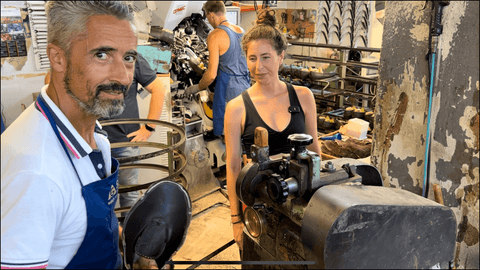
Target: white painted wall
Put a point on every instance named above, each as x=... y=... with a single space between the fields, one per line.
x=18 y=86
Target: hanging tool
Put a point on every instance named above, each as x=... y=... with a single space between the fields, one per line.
x=284 y=17
x=436 y=29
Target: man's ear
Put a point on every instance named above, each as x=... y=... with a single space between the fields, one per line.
x=57 y=57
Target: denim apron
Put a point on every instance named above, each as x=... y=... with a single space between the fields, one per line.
x=232 y=78
x=222 y=97
x=99 y=248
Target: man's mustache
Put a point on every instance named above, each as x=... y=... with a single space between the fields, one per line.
x=112 y=87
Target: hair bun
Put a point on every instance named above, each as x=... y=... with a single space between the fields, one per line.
x=266 y=17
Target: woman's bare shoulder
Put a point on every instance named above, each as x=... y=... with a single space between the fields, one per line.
x=306 y=98
x=301 y=90
x=235 y=105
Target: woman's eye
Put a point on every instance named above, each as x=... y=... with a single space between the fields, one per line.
x=101 y=55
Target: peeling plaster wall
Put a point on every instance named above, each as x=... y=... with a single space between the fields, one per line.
x=402 y=106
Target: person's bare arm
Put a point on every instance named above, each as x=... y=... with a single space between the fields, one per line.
x=232 y=140
x=213 y=44
x=157 y=89
x=309 y=107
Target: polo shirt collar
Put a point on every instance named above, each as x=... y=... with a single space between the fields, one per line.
x=74 y=142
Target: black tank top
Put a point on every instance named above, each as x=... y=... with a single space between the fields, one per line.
x=277 y=141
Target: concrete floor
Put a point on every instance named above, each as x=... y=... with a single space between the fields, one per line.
x=209 y=230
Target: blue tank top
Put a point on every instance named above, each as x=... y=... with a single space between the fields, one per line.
x=232 y=78
x=230 y=62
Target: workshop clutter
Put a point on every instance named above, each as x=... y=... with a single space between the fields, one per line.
x=334 y=119
x=356 y=128
x=304 y=73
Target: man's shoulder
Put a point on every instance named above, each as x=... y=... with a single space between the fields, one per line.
x=29 y=142
x=25 y=130
x=144 y=74
x=216 y=34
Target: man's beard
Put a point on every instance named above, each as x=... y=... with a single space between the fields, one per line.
x=95 y=105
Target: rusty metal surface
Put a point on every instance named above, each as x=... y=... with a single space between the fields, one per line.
x=400 y=120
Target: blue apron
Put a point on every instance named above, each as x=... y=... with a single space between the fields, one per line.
x=99 y=249
x=222 y=97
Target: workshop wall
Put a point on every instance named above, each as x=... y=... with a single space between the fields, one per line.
x=19 y=75
x=248 y=21
x=402 y=106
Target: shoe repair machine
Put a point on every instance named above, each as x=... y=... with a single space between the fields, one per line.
x=336 y=215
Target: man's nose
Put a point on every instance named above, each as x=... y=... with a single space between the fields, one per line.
x=120 y=73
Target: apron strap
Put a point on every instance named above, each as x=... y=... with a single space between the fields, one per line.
x=57 y=133
x=247 y=75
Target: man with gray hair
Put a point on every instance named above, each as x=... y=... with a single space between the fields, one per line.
x=59 y=183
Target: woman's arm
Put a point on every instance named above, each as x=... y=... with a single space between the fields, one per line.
x=233 y=120
x=309 y=107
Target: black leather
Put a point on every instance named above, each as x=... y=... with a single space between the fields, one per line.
x=157 y=224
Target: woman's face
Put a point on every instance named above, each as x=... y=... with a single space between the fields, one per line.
x=263 y=61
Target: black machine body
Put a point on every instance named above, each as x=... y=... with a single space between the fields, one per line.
x=338 y=215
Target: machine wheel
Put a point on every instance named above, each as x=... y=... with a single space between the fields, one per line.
x=181 y=180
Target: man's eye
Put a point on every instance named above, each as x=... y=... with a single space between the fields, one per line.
x=130 y=58
x=101 y=55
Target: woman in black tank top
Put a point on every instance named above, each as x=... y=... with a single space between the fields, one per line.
x=278 y=107
x=277 y=140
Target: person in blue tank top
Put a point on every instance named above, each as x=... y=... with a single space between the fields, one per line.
x=280 y=108
x=226 y=63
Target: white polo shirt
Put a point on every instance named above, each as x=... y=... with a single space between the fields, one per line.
x=44 y=217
